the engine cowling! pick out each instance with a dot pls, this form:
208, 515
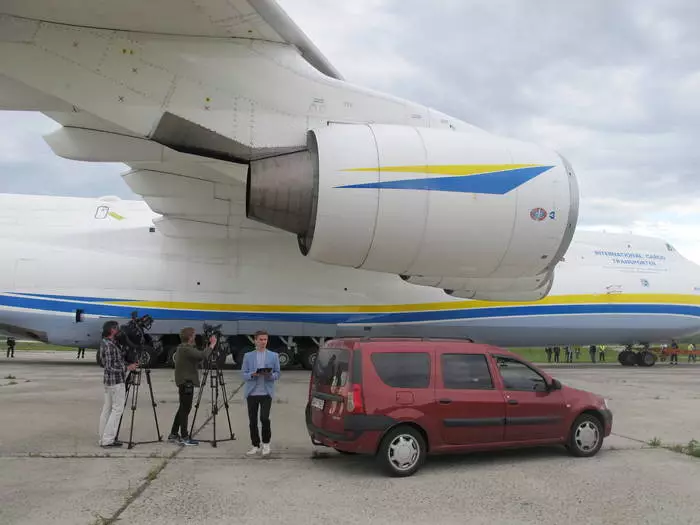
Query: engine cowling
420, 201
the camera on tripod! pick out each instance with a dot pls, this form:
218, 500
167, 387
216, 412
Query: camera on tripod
220, 350
138, 346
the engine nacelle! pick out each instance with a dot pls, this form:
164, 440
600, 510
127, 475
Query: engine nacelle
420, 201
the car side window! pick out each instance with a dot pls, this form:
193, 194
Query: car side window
466, 372
519, 376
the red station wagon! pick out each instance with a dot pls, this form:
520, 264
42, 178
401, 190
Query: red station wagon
402, 399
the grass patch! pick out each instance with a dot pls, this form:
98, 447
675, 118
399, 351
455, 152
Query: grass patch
10, 376
655, 442
12, 383
692, 448
153, 473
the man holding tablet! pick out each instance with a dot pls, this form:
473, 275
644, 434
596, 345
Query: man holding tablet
261, 368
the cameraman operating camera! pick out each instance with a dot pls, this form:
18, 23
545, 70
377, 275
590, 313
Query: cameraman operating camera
114, 380
186, 359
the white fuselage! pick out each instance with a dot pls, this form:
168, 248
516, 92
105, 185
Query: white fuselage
64, 254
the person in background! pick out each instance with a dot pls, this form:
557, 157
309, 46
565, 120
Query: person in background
601, 354
259, 390
81, 351
691, 355
548, 352
674, 352
569, 353
10, 347
557, 351
591, 352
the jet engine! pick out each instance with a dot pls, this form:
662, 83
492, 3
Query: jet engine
423, 202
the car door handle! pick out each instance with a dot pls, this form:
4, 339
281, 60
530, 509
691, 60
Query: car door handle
512, 401
444, 401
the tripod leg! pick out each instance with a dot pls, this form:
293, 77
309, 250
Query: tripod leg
127, 384
153, 403
214, 384
225, 396
134, 402
199, 399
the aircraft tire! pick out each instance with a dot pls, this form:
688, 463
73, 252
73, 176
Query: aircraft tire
628, 358
170, 360
286, 358
646, 359
308, 357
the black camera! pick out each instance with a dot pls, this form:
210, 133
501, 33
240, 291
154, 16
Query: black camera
138, 346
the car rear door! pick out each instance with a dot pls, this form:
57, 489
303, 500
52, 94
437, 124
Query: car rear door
532, 411
471, 409
329, 381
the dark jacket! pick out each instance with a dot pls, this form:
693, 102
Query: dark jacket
187, 357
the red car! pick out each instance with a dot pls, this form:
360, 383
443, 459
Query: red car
401, 399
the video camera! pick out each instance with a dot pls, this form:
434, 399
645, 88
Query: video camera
137, 345
221, 348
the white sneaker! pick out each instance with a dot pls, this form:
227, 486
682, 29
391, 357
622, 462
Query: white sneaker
266, 449
253, 451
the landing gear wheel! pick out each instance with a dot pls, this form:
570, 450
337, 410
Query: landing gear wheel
145, 359
308, 358
285, 358
646, 358
586, 436
402, 452
171, 356
627, 358
221, 359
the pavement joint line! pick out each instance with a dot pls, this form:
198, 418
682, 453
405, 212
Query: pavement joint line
153, 475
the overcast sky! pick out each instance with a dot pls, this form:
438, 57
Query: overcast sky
612, 85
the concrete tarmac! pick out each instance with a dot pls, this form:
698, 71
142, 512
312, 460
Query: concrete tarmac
51, 469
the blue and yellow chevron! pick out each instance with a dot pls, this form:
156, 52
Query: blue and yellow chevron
491, 179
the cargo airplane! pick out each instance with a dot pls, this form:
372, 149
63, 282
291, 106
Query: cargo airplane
278, 195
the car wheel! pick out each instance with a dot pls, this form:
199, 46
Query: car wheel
586, 436
402, 451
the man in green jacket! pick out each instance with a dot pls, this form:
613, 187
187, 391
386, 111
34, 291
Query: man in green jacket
187, 357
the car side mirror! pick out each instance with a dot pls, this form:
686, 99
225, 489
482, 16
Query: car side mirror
555, 384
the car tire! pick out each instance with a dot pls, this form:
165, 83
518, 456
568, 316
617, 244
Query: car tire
402, 452
586, 436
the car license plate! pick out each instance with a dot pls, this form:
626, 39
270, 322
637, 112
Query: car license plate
317, 403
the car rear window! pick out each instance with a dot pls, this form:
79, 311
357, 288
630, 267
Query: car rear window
466, 371
331, 367
403, 369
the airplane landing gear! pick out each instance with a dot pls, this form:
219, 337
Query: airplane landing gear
643, 357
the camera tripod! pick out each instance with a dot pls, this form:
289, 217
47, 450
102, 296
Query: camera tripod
132, 384
216, 381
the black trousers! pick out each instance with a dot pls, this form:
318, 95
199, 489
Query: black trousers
81, 351
186, 392
10, 350
264, 403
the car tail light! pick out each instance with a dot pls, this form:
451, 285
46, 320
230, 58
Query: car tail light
354, 400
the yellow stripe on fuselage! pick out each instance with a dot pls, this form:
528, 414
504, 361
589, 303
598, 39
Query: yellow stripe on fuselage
449, 169
684, 299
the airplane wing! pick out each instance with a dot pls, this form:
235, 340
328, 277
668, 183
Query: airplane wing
112, 74
247, 19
